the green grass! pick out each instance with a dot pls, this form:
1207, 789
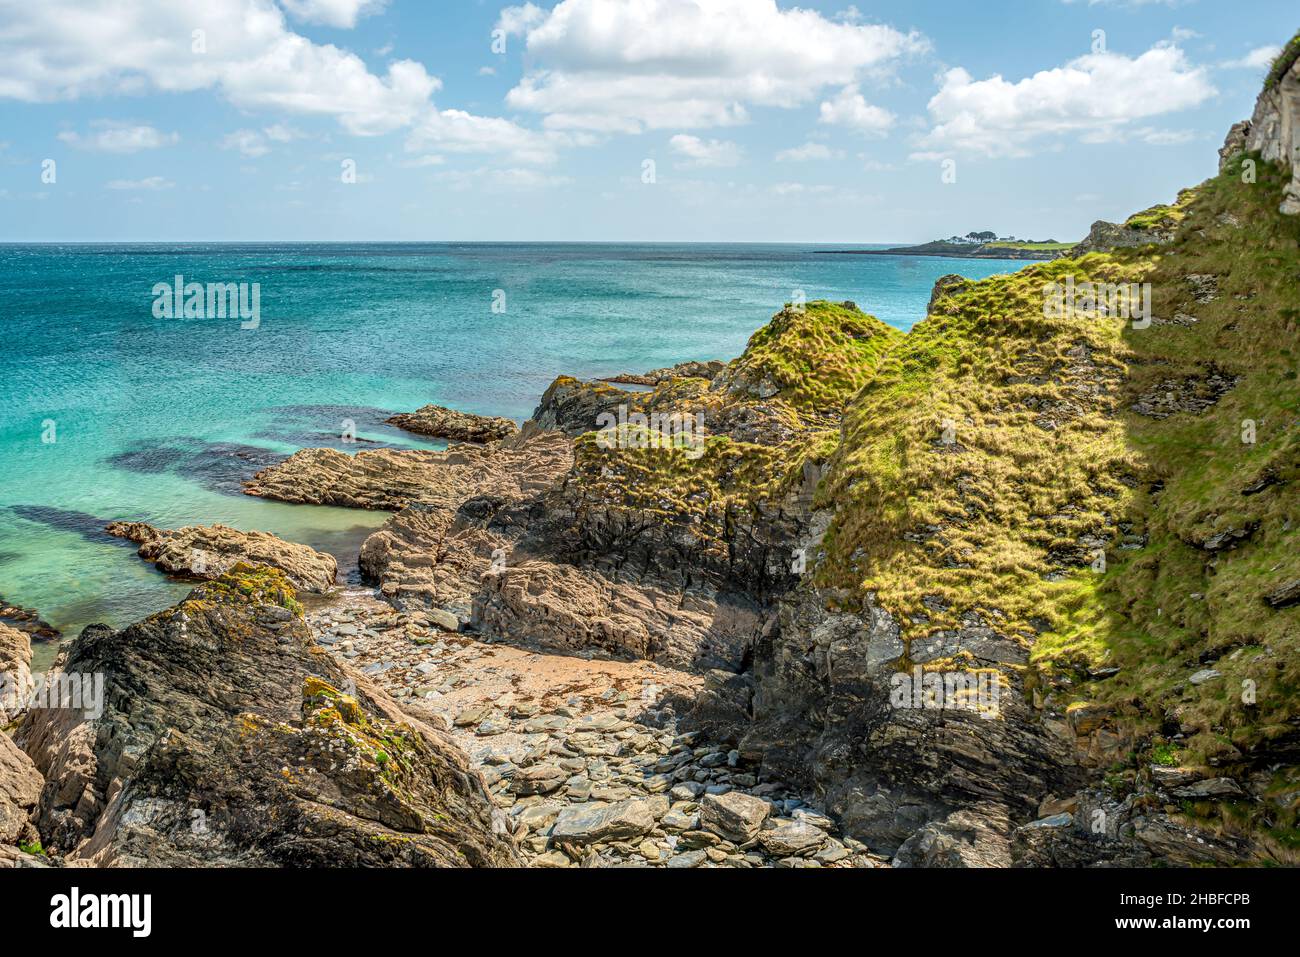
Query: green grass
1285, 60
1162, 217
816, 356
1002, 519
1036, 247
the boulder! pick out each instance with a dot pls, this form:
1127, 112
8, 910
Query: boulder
792, 837
597, 823
734, 816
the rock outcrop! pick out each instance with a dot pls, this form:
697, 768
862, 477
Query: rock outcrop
20, 790
1274, 130
226, 738
20, 782
15, 674
440, 422
389, 480
206, 552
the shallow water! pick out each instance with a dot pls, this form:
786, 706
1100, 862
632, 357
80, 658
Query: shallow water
110, 413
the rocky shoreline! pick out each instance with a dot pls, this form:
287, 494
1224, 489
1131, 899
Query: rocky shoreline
584, 753
971, 597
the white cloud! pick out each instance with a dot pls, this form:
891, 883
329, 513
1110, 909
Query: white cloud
149, 183
109, 136
333, 13
1166, 137
61, 50
516, 21
279, 133
705, 152
611, 65
809, 151
249, 142
256, 143
850, 108
1094, 97
1260, 58
455, 131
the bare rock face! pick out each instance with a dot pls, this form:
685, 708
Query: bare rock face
15, 673
207, 552
226, 738
896, 768
20, 789
20, 782
443, 423
1104, 236
434, 552
1274, 129
565, 606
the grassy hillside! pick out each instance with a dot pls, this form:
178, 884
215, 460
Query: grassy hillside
996, 455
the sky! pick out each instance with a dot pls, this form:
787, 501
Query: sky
613, 120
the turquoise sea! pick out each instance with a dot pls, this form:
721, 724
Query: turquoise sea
110, 413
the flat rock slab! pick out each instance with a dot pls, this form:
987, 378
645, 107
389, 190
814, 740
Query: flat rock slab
594, 823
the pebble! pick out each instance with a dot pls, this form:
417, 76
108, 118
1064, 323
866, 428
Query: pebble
591, 779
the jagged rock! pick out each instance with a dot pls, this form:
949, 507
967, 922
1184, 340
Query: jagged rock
1213, 789
390, 480
944, 287
1178, 844
226, 739
1285, 595
20, 790
1105, 237
734, 816
1274, 129
563, 606
1234, 143
1166, 777
1192, 394
683, 370
15, 673
435, 554
792, 837
443, 423
207, 552
575, 407
976, 836
1227, 539
26, 620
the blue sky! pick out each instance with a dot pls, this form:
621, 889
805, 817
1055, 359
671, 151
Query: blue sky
764, 121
